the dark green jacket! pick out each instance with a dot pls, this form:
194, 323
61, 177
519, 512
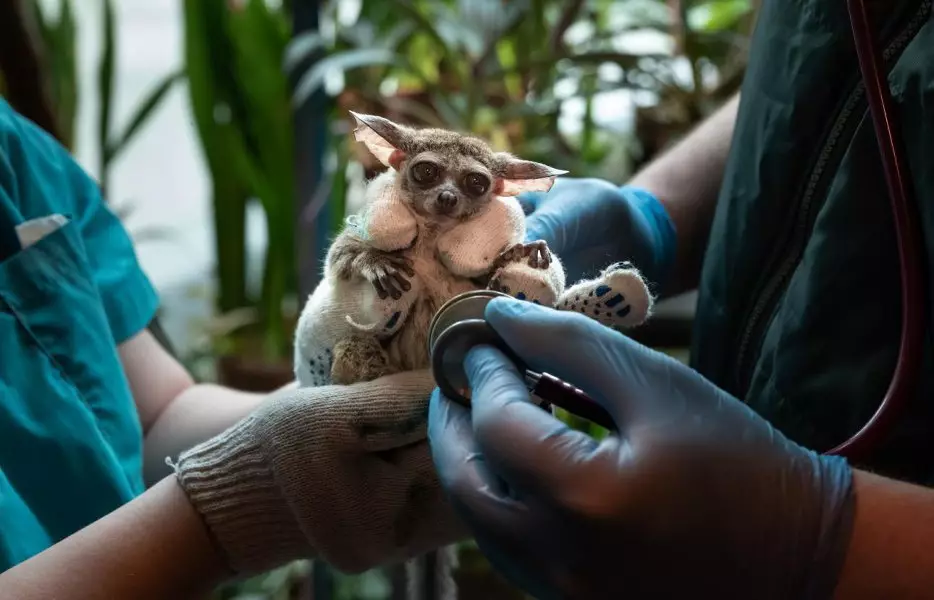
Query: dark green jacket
799, 311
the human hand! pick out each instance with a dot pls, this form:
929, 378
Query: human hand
590, 223
341, 473
696, 496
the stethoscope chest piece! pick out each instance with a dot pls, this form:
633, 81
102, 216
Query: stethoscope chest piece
457, 327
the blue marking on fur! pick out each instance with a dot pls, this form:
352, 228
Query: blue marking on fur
615, 300
624, 311
521, 295
603, 290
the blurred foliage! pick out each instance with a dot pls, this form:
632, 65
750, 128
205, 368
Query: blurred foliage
57, 47
239, 97
526, 74
54, 36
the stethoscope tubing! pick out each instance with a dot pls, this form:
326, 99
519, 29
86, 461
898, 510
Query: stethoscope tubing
908, 234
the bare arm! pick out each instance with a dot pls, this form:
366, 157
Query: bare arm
687, 179
175, 413
890, 554
155, 547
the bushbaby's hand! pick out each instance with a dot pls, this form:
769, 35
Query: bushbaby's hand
381, 268
385, 271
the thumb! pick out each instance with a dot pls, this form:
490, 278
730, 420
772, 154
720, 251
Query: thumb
611, 368
523, 444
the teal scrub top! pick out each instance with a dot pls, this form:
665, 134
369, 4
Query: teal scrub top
70, 437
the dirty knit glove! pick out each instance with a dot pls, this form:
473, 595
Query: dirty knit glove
341, 473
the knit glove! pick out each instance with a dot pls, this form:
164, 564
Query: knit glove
340, 473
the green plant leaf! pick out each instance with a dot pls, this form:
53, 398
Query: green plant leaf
68, 89
311, 81
142, 114
105, 85
302, 47
207, 58
258, 44
407, 9
718, 15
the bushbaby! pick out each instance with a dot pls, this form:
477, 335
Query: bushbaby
441, 220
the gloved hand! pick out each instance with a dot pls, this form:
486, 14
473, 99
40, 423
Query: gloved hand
591, 223
341, 473
695, 497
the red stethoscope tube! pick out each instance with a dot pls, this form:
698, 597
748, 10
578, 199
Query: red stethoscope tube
908, 235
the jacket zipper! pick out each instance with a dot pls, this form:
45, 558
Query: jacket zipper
764, 307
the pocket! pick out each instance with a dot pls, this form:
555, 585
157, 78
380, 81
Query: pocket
65, 343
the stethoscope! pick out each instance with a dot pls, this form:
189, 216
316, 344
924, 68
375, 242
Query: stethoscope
459, 325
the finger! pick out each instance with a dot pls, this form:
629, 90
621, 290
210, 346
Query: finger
478, 494
608, 366
387, 282
526, 446
402, 282
380, 290
406, 267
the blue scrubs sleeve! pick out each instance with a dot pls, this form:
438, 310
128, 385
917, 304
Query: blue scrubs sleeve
129, 298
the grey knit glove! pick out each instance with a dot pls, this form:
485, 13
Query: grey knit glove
341, 473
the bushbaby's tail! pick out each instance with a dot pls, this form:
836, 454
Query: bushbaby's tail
365, 328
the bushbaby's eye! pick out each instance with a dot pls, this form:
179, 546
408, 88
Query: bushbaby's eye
425, 172
477, 184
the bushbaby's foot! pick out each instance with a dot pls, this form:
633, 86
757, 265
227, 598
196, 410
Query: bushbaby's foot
358, 358
537, 252
619, 298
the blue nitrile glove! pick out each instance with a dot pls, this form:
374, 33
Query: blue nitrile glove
591, 223
697, 497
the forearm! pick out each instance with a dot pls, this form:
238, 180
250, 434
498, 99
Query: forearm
687, 179
155, 547
198, 413
890, 552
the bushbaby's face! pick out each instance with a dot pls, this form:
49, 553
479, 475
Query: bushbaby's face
445, 176
446, 186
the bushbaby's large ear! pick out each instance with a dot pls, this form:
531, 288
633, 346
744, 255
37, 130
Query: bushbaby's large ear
516, 176
385, 139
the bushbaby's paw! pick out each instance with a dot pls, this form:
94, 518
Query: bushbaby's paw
537, 253
386, 271
523, 282
618, 298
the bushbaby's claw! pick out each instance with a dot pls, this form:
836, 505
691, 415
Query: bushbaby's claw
382, 269
402, 263
537, 252
539, 255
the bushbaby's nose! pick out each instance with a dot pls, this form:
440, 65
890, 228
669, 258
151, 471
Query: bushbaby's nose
447, 199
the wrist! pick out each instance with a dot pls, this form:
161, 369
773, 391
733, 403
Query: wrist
231, 485
659, 227
833, 514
